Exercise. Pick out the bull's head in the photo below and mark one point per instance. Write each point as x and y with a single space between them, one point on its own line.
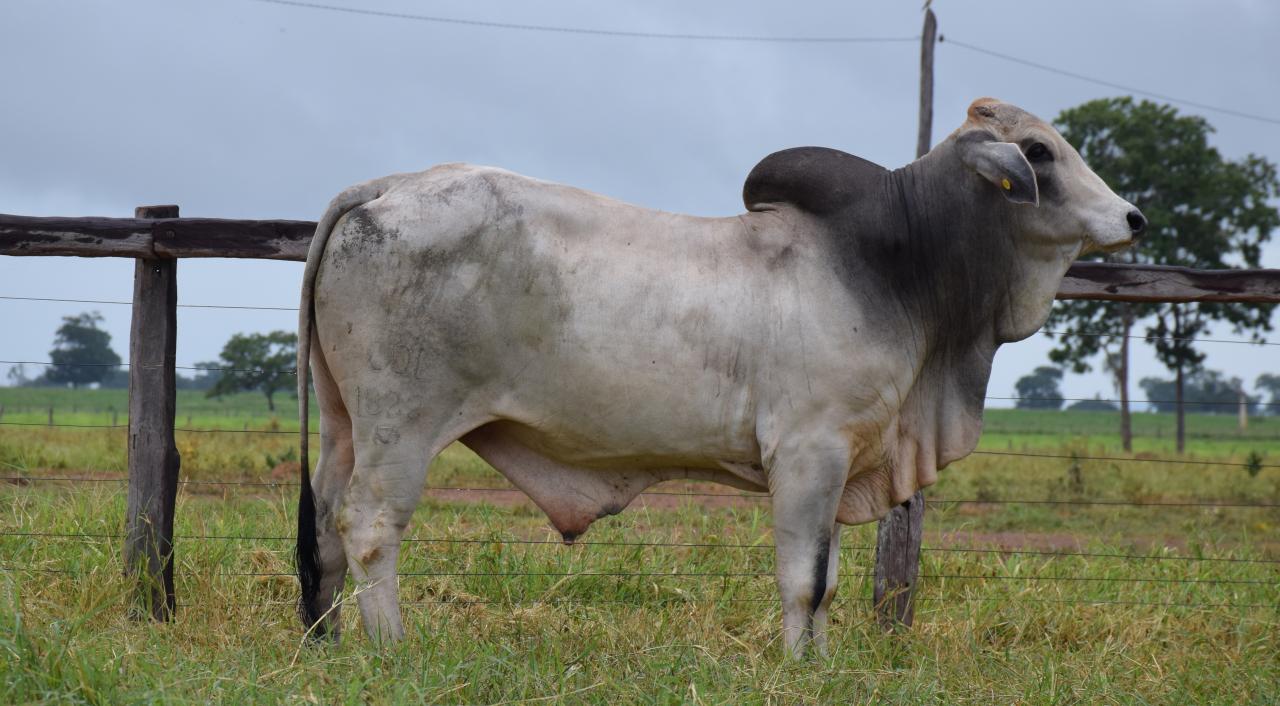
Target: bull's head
1030 163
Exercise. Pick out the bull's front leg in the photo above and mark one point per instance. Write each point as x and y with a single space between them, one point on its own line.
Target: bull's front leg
806 483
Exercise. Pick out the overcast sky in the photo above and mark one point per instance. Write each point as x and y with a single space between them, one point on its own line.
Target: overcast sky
244 109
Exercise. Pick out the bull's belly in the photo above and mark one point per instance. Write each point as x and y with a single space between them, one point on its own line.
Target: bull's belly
631 437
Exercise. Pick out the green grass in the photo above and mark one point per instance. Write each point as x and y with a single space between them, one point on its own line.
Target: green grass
661 638
991 627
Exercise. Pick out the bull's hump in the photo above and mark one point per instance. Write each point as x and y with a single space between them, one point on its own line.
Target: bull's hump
819 180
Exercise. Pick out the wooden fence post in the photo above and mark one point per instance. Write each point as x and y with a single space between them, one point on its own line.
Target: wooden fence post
898 536
153 454
898 562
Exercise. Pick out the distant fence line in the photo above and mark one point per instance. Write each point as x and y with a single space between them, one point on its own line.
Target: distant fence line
156 238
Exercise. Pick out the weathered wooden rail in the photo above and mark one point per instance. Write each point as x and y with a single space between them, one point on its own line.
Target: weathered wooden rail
175 238
157 238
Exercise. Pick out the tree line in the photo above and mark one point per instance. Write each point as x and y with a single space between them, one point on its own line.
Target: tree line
1205 391
82 357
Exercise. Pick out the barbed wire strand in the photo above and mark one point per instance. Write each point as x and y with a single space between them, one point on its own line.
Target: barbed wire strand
1047 554
130 303
1027 454
1187 403
126 364
1108 84
1068 457
181 429
713 575
18 480
837 601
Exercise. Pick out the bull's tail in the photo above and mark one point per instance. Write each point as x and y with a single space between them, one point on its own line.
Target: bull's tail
307 552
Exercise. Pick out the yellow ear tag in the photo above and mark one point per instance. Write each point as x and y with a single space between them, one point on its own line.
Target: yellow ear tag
1005 183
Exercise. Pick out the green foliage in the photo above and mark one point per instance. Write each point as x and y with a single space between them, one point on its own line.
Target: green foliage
1270 384
17 375
1097 404
256 361
81 352
1253 464
1203 211
290 455
1204 391
1039 390
203 379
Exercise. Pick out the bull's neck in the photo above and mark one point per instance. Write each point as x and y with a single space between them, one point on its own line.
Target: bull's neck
989 278
952 251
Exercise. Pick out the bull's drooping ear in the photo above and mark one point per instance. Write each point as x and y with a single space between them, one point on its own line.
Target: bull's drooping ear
1002 164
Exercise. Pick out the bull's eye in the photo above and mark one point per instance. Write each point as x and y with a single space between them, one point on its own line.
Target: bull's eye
1039 153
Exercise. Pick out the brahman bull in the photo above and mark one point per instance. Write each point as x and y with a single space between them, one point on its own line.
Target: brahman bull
831 346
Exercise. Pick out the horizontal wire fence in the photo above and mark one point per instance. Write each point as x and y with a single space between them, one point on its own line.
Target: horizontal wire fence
1023 454
99 536
759 497
1048 555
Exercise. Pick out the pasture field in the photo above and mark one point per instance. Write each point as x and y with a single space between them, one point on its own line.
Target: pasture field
1047 600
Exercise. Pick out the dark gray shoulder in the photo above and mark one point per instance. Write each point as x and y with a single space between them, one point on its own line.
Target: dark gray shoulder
819 180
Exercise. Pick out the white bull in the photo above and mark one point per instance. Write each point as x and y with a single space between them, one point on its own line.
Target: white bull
832 345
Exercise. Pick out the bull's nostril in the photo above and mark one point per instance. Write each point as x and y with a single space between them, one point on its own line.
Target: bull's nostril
1137 222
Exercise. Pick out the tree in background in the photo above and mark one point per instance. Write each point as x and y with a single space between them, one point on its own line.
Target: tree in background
257 361
1204 391
81 352
17 376
1039 390
1097 404
118 379
1270 384
204 377
202 380
1203 211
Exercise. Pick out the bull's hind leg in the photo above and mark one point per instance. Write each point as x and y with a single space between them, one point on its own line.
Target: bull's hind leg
390 471
329 485
333 472
806 484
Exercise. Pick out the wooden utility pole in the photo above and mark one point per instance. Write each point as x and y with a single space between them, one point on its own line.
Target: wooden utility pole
924 138
899 534
153 454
